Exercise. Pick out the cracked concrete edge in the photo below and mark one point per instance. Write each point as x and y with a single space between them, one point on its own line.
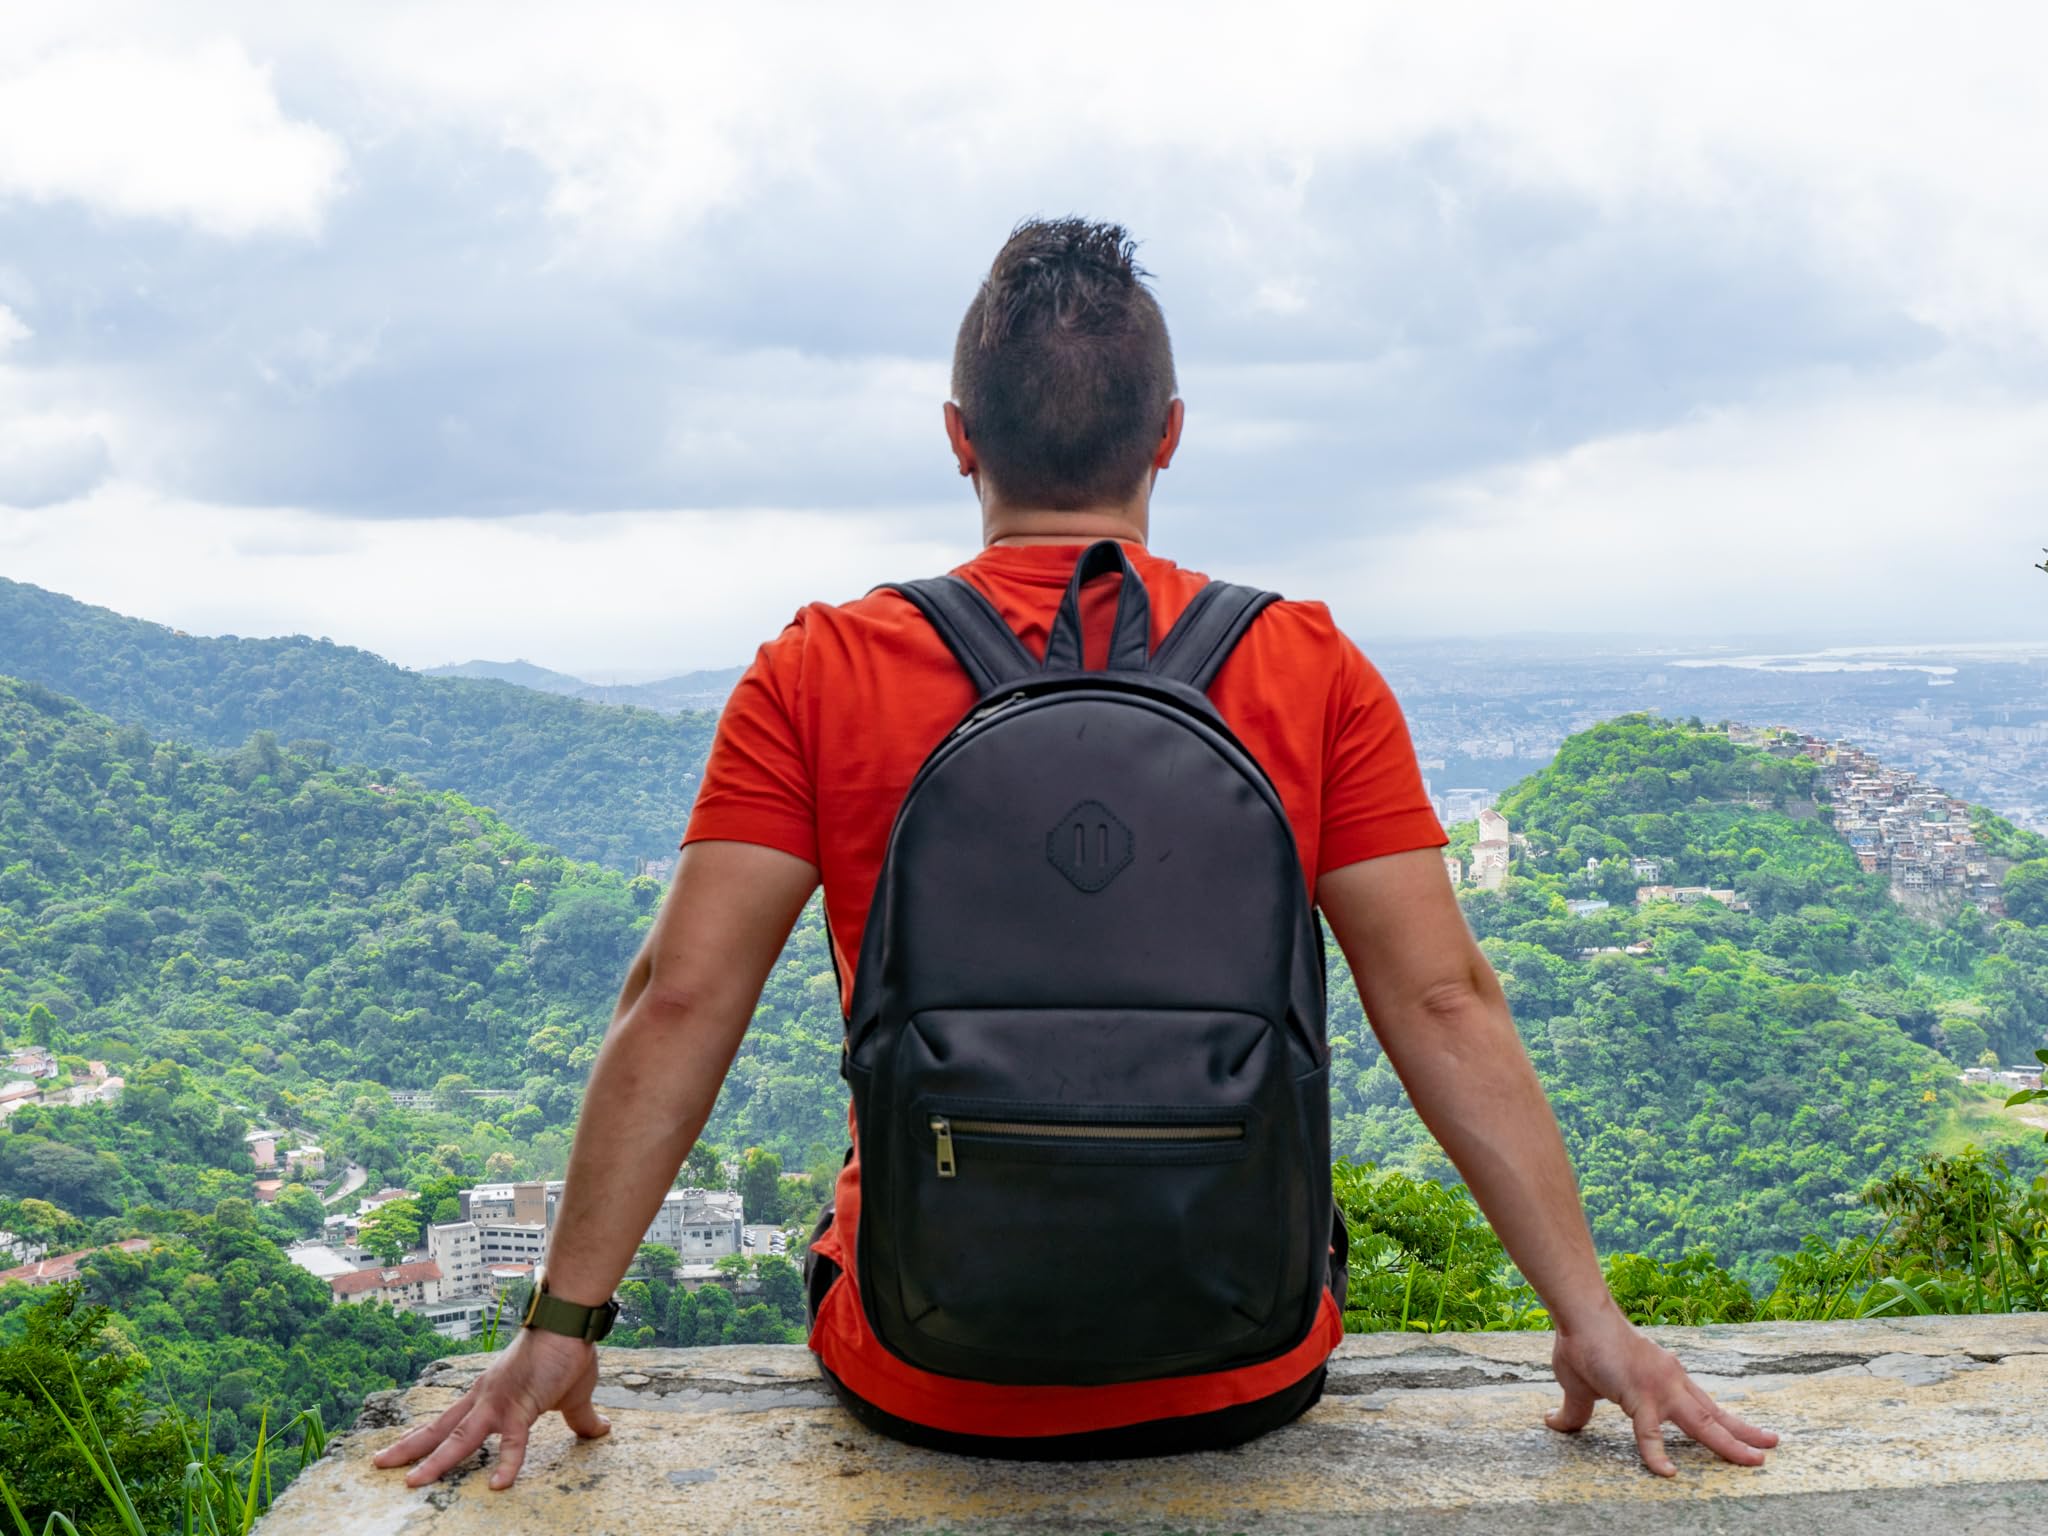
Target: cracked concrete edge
1448 1404
1725 1350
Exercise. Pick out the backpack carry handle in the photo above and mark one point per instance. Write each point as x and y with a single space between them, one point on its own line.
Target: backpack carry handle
1130 640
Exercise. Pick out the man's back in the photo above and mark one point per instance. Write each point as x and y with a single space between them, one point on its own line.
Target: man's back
822 737
1064 413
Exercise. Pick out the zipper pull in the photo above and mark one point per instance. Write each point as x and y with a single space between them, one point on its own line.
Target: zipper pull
943 1129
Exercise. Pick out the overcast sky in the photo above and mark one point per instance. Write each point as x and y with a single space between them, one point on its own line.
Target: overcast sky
607 335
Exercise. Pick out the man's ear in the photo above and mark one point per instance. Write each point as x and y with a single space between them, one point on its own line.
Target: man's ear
1169 440
956 434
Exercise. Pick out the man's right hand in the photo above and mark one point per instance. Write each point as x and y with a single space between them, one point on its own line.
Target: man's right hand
541 1371
1616 1360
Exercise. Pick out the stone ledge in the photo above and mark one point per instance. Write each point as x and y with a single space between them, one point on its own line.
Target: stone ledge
1912 1425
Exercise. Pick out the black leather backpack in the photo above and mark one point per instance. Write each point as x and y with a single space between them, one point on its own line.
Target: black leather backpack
1086 1044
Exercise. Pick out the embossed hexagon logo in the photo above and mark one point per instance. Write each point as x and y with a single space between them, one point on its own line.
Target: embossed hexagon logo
1090 846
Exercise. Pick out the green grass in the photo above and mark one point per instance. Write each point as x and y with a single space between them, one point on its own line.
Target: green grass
1959 1234
1977 1117
217 1499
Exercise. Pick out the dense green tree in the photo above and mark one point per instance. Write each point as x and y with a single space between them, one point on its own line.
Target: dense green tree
761 1185
57 1352
42 1025
602 782
393 1230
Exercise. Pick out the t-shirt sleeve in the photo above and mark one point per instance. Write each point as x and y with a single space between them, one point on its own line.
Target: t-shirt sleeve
758 784
1373 799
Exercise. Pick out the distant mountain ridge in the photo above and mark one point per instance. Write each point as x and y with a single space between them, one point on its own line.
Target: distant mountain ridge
522 674
701 690
607 783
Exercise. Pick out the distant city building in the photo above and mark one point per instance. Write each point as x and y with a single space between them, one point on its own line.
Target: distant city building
319 1260
404 1286
1464 804
1454 868
262 1147
1491 853
529 1202
698 1223
59 1268
458 1248
1687 895
309 1160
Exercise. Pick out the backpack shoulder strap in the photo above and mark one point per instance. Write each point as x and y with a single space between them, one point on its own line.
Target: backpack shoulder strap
974 632
1202 639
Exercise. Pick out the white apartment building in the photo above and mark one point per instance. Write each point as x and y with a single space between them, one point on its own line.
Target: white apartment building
698 1223
458 1248
512 1221
511 1242
529 1201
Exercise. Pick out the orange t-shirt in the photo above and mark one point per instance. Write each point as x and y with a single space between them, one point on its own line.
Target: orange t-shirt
818 745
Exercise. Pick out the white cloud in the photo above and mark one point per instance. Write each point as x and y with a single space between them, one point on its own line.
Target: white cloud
1908 152
46 459
193 134
1897 514
650 591
1682 266
12 329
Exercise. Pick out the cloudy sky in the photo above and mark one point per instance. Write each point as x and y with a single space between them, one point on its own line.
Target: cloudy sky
606 335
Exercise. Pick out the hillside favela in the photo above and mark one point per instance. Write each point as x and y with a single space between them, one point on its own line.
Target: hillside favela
303 962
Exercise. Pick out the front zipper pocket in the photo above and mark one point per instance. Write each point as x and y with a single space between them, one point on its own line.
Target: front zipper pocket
1112 1133
1078 1197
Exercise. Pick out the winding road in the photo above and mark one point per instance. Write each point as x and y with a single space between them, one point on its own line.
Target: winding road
350 1183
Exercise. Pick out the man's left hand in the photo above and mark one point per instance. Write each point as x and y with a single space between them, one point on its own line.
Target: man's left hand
541 1371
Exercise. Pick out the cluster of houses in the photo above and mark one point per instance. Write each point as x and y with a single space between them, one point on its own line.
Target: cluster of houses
1915 835
31 1078
1688 895
55 1269
460 1278
302 1162
2008 1080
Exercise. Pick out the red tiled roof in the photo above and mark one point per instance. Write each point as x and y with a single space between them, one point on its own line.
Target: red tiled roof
365 1280
64 1266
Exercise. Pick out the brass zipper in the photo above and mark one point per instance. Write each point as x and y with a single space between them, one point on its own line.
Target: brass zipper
943 1127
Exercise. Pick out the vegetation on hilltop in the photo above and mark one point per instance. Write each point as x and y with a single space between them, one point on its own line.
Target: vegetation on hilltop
1740 1084
605 783
250 938
263 935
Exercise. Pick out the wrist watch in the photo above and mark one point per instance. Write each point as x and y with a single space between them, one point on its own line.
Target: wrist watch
558 1316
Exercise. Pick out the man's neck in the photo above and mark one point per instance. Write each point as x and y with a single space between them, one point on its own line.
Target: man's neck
1015 526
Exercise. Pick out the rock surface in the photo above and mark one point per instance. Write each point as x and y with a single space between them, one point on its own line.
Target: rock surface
1922 1424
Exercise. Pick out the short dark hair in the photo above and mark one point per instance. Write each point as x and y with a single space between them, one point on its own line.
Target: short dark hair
1063 369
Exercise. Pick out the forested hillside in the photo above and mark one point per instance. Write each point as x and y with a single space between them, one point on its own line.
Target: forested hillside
604 783
262 936
250 929
1740 1083
250 938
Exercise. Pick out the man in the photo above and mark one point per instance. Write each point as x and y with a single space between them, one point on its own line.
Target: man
1064 413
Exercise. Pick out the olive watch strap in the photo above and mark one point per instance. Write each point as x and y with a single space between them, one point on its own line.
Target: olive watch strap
555 1315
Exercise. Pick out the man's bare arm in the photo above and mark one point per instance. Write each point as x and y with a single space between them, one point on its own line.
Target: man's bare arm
1444 1023
681 1015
